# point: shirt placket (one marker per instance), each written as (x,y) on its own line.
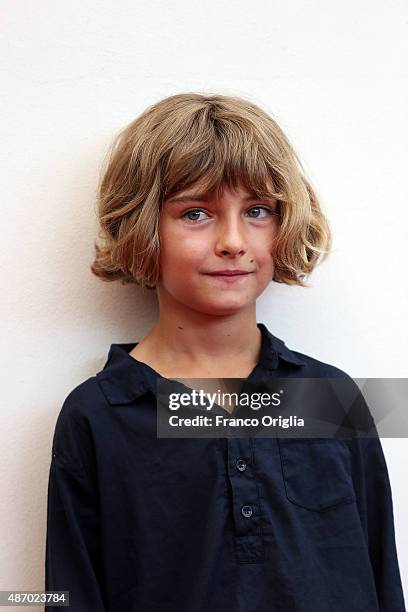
(247,511)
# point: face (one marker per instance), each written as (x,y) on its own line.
(200,235)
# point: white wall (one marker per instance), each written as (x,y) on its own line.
(333,74)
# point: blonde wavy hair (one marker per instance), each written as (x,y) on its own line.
(212,140)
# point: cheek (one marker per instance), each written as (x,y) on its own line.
(193,248)
(181,252)
(263,249)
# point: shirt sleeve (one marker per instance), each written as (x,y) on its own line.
(374,500)
(73,551)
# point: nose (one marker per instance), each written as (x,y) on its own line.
(230,237)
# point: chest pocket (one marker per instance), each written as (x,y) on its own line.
(316,472)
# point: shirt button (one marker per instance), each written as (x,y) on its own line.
(246,511)
(241,465)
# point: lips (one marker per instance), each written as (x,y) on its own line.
(228,273)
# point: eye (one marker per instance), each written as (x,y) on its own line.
(267,210)
(197,211)
(189,212)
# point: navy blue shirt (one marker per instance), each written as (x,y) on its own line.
(137,523)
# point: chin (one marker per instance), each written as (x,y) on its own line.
(224,308)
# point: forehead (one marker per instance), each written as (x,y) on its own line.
(199,192)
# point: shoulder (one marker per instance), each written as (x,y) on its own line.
(345,388)
(315,367)
(306,365)
(83,400)
(80,409)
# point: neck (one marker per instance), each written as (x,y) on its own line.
(202,340)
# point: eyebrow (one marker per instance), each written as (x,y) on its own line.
(202,197)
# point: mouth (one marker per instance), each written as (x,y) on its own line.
(228,277)
(229,273)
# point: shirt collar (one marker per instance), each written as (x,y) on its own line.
(123,378)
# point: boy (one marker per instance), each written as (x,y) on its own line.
(205,200)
